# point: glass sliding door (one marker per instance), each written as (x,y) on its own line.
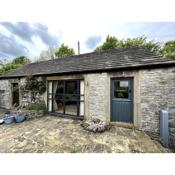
(72,97)
(68,97)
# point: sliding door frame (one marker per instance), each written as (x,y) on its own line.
(64,94)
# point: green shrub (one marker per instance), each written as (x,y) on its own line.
(36,106)
(36,84)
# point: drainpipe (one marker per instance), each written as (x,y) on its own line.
(164,128)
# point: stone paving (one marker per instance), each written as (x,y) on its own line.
(58,135)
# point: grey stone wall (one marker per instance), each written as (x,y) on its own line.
(157,92)
(95,95)
(25,99)
(5,94)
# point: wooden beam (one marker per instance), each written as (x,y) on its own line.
(66,77)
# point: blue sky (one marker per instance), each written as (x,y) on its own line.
(158,31)
(23,38)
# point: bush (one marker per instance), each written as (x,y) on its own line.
(36,84)
(36,106)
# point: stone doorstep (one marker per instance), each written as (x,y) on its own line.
(123,124)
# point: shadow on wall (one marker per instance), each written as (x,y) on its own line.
(2,96)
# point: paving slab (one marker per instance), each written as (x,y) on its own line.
(51,134)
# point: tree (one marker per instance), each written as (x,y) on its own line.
(1,63)
(14,64)
(47,54)
(168,49)
(140,41)
(64,51)
(21,60)
(9,67)
(112,42)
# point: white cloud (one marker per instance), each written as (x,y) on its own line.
(76,20)
(69,34)
(38,46)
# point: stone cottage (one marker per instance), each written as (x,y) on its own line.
(129,86)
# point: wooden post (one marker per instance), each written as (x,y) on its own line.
(78,48)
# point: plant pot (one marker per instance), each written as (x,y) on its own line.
(20,118)
(1,121)
(8,119)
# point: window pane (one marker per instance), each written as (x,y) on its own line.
(59,87)
(66,97)
(71,107)
(71,97)
(58,103)
(58,96)
(121,89)
(71,87)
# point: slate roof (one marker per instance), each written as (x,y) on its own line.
(116,59)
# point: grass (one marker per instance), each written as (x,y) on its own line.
(36,106)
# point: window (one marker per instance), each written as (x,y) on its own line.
(68,97)
(121,89)
(58,91)
(72,97)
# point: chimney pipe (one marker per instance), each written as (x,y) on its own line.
(78,48)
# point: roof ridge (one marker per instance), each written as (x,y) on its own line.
(108,59)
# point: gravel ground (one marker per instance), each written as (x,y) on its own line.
(58,135)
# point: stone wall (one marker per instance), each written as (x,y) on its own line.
(25,99)
(5,94)
(95,95)
(157,91)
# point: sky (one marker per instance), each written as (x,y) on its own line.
(35,28)
(29,39)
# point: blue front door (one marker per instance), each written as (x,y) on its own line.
(122,100)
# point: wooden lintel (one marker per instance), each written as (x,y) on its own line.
(66,77)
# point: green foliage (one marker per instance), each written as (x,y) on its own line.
(36,106)
(36,84)
(112,42)
(155,47)
(9,67)
(168,50)
(64,51)
(21,60)
(140,42)
(16,63)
